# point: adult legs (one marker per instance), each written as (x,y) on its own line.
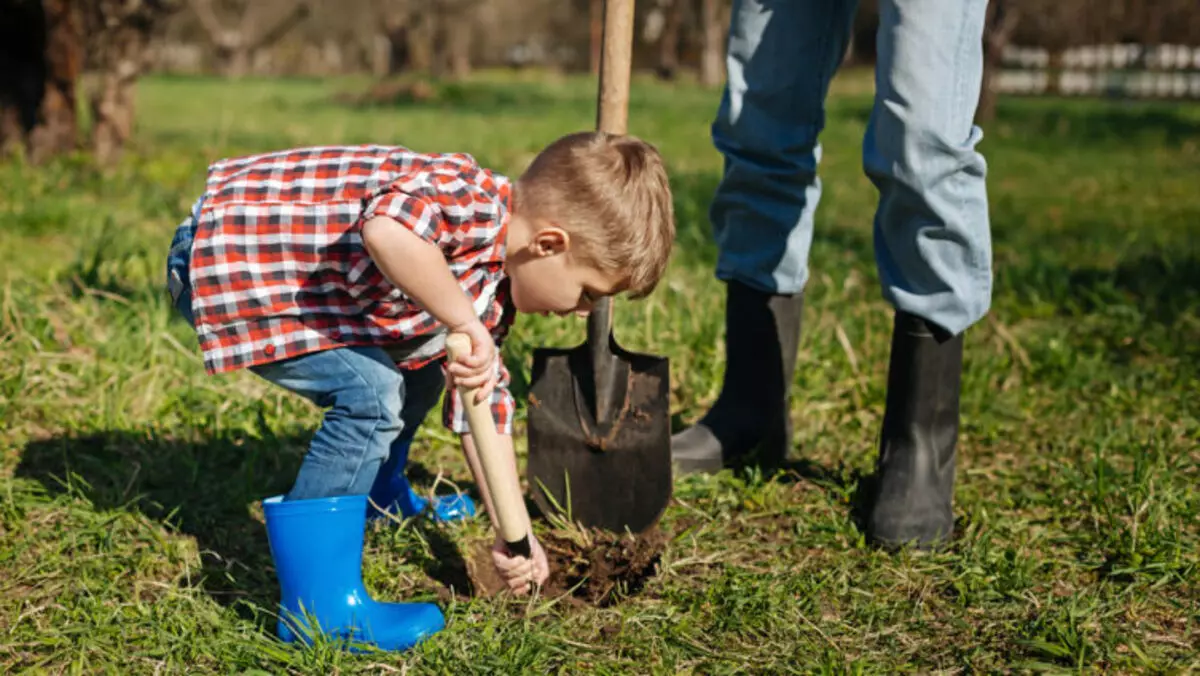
(932,249)
(781,58)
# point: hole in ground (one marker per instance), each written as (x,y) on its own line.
(609,569)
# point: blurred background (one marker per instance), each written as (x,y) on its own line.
(1110,48)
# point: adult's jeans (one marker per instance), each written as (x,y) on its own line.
(932,236)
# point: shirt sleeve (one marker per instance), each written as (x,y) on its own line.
(503,405)
(422,216)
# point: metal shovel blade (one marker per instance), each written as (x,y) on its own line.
(599,433)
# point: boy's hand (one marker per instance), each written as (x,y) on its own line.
(479,369)
(517,571)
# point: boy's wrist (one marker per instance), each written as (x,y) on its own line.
(464,324)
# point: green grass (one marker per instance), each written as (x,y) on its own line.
(131,539)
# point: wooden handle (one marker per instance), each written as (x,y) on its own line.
(498,470)
(612,116)
(616,59)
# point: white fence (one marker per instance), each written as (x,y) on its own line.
(1125,70)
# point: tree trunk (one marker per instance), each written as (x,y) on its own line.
(460,51)
(235,47)
(119,34)
(419,35)
(712,48)
(1054,85)
(235,62)
(986,110)
(1002,20)
(454,29)
(381,56)
(112,103)
(668,42)
(41,57)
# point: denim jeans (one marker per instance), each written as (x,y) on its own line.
(372,408)
(932,236)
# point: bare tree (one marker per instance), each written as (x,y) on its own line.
(669,38)
(430,36)
(41,58)
(712,49)
(1002,21)
(407,28)
(455,30)
(236,46)
(118,37)
(44,59)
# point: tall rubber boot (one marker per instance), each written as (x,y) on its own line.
(394,494)
(317,546)
(914,482)
(762,334)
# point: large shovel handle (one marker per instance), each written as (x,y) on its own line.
(616,59)
(612,116)
(498,471)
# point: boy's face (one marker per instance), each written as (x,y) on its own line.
(546,279)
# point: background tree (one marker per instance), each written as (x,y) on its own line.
(118,37)
(259,25)
(45,46)
(41,58)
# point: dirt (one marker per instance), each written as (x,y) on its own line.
(613,568)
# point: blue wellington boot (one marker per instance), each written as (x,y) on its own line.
(395,495)
(317,546)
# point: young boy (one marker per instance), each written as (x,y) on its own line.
(337,273)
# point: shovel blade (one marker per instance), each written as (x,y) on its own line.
(613,474)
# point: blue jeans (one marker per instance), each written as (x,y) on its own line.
(931,232)
(372,408)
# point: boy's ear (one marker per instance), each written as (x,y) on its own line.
(550,240)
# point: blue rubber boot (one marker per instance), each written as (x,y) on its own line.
(395,495)
(317,546)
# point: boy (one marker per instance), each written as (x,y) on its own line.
(337,272)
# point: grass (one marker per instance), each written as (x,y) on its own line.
(131,538)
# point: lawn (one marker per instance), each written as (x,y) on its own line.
(131,538)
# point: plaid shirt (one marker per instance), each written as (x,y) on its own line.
(278,266)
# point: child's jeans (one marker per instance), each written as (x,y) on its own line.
(371,406)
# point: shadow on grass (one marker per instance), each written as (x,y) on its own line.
(204,489)
(1162,284)
(836,481)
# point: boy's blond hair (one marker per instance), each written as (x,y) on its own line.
(611,194)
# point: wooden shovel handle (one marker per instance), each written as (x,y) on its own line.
(498,470)
(612,116)
(616,60)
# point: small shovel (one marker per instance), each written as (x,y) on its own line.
(599,415)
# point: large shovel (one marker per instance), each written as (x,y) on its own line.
(599,415)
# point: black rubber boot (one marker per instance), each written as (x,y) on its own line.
(762,334)
(914,482)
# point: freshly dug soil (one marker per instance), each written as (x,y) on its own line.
(615,567)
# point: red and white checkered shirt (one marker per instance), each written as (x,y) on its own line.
(279,269)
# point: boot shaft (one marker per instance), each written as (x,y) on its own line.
(914,485)
(924,382)
(325,535)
